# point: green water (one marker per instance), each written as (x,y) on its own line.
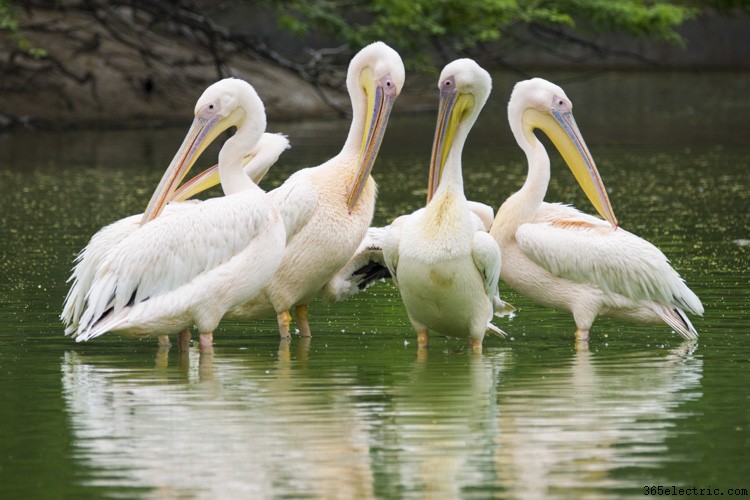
(357,412)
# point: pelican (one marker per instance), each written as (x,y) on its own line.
(181,268)
(327,209)
(265,153)
(563,258)
(444,263)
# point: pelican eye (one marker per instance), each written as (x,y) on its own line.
(209,110)
(389,85)
(561,104)
(448,84)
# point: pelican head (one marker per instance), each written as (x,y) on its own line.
(539,104)
(464,88)
(226,103)
(374,80)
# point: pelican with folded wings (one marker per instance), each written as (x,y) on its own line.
(566,259)
(193,263)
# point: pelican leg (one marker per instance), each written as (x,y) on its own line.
(422,354)
(476,345)
(207,342)
(423,338)
(164,341)
(303,323)
(582,334)
(284,319)
(183,340)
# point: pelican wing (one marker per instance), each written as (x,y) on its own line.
(265,154)
(86,263)
(391,244)
(171,251)
(585,249)
(92,254)
(366,267)
(486,255)
(296,202)
(484,214)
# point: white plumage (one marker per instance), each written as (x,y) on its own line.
(327,209)
(445,264)
(258,161)
(367,265)
(566,259)
(182,268)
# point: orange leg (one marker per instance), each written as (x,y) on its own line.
(284,319)
(476,345)
(303,323)
(423,338)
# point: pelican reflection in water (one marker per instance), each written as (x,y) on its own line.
(221,426)
(441,424)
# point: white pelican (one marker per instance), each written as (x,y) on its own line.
(265,153)
(445,264)
(180,269)
(327,209)
(562,258)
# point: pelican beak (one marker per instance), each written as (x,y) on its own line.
(202,132)
(201,182)
(208,179)
(561,128)
(454,107)
(381,95)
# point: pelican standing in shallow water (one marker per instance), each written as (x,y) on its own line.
(258,161)
(445,264)
(181,268)
(327,209)
(562,258)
